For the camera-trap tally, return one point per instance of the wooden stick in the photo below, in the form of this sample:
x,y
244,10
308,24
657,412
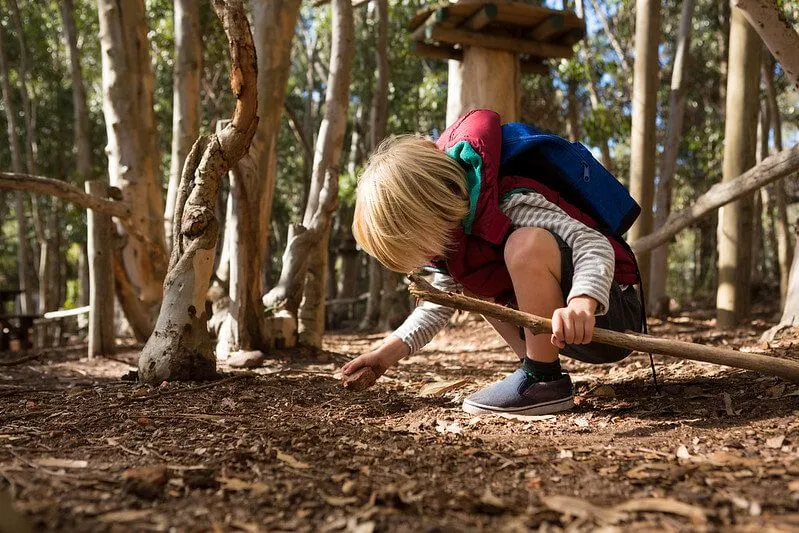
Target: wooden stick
x,y
785,368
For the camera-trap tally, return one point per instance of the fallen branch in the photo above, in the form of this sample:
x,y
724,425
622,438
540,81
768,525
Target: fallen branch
x,y
770,169
21,360
764,364
62,189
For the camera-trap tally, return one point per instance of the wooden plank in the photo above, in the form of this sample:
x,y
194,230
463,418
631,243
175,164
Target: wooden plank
x,y
100,247
519,46
437,17
481,18
63,313
546,30
436,52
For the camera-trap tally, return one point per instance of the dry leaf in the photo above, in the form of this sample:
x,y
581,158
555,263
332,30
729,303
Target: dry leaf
x,y
604,391
526,418
682,452
439,388
235,484
724,458
776,391
793,486
52,462
125,516
581,422
363,527
291,461
728,404
580,508
489,503
443,427
775,442
339,501
664,505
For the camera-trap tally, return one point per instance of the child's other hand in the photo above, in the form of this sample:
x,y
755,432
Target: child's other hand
x,y
574,324
378,360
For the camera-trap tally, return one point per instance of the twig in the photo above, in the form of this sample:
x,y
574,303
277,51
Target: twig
x,y
21,360
764,364
191,389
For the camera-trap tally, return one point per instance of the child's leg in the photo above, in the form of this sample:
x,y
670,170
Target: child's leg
x,y
510,334
533,259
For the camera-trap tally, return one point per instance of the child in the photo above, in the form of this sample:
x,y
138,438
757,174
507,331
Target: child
x,y
417,205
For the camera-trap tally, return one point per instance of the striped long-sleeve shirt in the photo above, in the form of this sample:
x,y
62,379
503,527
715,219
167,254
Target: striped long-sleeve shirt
x,y
592,255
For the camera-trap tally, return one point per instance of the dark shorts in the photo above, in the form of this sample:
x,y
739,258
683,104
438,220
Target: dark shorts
x,y
624,313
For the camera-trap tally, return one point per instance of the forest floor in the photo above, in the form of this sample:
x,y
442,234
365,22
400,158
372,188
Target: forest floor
x,y
286,448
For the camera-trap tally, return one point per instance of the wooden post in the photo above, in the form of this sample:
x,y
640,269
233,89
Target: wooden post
x,y
101,276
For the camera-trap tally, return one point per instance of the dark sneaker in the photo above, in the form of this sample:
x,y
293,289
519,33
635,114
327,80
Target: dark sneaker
x,y
521,394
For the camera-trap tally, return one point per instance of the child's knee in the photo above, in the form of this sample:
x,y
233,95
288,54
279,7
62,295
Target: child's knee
x,y
531,249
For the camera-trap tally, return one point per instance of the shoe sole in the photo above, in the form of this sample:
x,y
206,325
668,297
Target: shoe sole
x,y
548,408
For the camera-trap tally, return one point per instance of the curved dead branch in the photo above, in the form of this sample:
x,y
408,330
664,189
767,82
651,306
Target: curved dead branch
x,y
62,189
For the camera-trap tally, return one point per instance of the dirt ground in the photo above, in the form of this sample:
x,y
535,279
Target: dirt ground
x,y
286,448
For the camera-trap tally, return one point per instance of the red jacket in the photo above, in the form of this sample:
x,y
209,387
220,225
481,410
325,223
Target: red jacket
x,y
476,257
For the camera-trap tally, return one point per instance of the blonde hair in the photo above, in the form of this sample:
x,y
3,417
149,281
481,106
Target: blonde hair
x,y
410,199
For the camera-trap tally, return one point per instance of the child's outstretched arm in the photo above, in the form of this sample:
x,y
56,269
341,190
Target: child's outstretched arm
x,y
417,330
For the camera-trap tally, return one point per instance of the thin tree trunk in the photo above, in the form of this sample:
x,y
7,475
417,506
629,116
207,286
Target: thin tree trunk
x,y
735,220
372,314
133,156
658,299
83,149
643,148
324,185
180,348
572,111
185,98
782,226
253,183
19,201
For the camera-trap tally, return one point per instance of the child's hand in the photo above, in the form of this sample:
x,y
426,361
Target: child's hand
x,y
377,360
574,324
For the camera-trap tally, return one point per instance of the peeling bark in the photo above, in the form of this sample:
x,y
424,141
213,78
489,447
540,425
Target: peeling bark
x,y
180,347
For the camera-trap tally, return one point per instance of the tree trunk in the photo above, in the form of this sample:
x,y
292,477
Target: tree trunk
x,y
185,98
19,200
252,184
735,220
372,314
323,196
658,299
133,156
779,35
572,111
642,152
180,348
782,226
83,149
101,276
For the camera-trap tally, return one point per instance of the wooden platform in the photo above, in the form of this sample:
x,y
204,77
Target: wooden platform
x,y
535,32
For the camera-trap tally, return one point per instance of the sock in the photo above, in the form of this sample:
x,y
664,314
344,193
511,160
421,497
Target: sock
x,y
542,371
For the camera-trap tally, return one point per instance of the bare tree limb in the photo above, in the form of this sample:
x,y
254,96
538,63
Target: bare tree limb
x,y
297,130
775,366
625,64
781,38
770,169
62,189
